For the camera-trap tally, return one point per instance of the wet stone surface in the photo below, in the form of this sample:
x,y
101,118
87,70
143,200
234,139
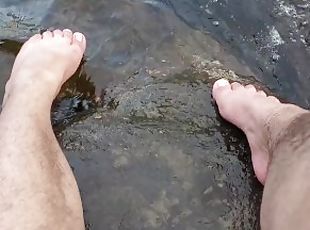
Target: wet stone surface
x,y
157,156
137,122
272,37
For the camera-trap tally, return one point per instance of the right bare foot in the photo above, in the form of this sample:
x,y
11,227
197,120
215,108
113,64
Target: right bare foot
x,y
44,63
260,117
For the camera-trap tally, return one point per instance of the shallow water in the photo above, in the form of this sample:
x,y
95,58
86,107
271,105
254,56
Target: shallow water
x,y
153,154
157,156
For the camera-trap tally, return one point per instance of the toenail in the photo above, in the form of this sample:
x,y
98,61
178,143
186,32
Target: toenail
x,y
222,82
79,37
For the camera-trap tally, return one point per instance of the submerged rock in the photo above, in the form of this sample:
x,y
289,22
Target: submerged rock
x,y
158,156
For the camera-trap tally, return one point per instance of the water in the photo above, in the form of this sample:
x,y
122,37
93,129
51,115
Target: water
x,y
157,156
147,148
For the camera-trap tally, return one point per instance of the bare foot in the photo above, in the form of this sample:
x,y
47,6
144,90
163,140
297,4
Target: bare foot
x,y
260,117
37,175
44,63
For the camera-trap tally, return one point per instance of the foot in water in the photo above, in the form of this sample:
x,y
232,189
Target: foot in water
x,y
44,63
262,118
34,172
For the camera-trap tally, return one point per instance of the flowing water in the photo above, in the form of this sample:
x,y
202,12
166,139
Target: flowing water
x,y
137,121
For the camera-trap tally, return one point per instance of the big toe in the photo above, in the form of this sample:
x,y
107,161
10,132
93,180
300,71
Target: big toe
x,y
79,40
220,90
34,38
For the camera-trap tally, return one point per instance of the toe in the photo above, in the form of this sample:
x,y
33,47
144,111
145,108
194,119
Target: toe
x,y
68,34
220,88
35,37
58,33
262,93
80,40
47,34
236,85
274,99
250,88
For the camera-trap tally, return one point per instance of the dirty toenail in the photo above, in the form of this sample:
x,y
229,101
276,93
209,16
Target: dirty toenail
x,y
222,83
79,37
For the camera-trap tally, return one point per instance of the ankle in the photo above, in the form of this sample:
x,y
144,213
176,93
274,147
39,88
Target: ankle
x,y
28,96
282,122
43,86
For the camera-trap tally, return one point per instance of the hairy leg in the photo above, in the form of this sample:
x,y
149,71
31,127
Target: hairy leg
x,y
38,189
278,135
286,199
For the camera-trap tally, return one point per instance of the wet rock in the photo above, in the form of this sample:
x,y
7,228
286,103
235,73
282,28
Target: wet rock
x,y
257,31
162,158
